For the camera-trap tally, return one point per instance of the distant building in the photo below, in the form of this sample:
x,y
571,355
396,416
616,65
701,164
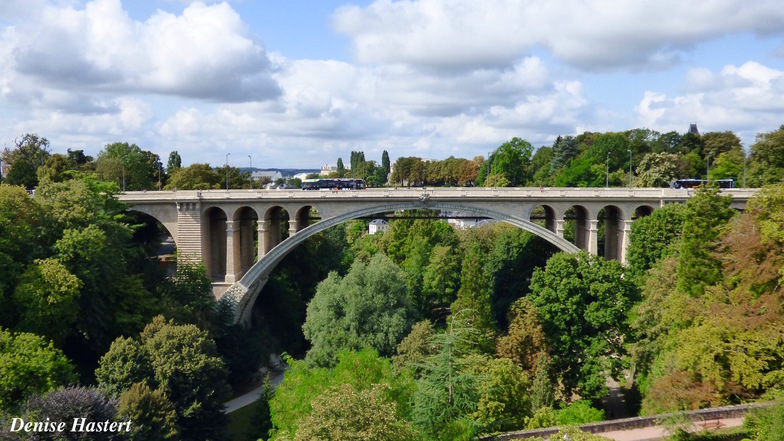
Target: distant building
x,y
693,129
301,176
462,220
378,226
5,167
326,169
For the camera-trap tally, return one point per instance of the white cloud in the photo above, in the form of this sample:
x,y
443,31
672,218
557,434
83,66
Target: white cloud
x,y
739,98
206,52
593,34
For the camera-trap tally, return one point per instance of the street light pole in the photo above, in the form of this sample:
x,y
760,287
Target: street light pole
x,y
250,176
607,178
630,169
227,171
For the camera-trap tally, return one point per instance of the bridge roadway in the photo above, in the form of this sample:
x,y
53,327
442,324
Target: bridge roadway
x,y
219,227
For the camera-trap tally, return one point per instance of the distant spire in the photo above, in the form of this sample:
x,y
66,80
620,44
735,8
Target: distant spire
x,y
693,129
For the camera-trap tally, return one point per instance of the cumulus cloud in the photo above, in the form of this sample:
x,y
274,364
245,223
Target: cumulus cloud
x,y
743,97
594,35
205,53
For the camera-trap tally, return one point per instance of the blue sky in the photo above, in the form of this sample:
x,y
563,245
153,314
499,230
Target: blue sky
x,y
300,83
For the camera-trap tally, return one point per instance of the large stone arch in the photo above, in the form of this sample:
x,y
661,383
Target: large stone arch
x,y
164,217
242,295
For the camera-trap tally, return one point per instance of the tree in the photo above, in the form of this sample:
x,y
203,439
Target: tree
x,y
74,403
729,165
525,341
368,307
183,363
504,393
706,212
565,149
582,301
47,297
415,348
175,162
341,168
194,177
473,301
654,237
766,165
660,169
22,173
29,364
385,165
344,413
153,415
122,162
55,169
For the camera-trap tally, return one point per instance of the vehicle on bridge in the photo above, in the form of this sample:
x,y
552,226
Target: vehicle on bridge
x,y
695,183
333,184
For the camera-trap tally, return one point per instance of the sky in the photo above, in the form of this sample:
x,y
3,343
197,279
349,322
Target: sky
x,y
300,83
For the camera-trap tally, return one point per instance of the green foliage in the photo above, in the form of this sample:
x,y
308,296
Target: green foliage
x,y
525,342
766,165
473,301
368,307
182,362
415,348
579,412
542,389
29,364
766,424
504,393
153,415
47,296
194,177
120,161
446,393
261,422
654,237
706,212
583,301
347,414
543,417
302,385
660,169
187,298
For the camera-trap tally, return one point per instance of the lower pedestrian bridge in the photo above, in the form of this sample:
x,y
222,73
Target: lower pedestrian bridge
x,y
241,235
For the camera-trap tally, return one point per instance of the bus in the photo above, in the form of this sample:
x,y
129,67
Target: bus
x,y
333,184
694,183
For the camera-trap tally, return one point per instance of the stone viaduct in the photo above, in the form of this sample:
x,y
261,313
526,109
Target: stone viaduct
x,y
241,235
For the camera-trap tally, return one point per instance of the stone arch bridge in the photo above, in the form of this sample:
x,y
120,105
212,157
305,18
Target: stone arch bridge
x,y
239,234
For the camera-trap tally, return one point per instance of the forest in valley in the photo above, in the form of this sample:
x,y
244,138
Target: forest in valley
x,y
422,332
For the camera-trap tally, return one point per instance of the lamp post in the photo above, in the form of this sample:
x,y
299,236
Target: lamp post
x,y
630,169
607,176
227,171
250,176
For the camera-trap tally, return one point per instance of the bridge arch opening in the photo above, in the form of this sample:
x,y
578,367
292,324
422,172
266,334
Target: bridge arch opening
x,y
642,211
273,228
245,238
612,224
544,216
213,251
303,217
576,226
155,238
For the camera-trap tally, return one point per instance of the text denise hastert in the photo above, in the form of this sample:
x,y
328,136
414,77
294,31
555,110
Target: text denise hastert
x,y
79,425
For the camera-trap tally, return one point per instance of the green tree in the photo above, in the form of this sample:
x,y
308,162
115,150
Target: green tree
x,y
473,301
152,413
183,363
660,169
446,394
654,237
582,301
175,161
341,168
368,307
47,297
22,173
345,413
729,165
525,341
138,167
565,149
706,212
504,393
29,364
415,348
766,165
55,169
385,165
193,177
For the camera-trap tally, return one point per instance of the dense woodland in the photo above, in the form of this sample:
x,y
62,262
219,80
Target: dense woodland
x,y
422,332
